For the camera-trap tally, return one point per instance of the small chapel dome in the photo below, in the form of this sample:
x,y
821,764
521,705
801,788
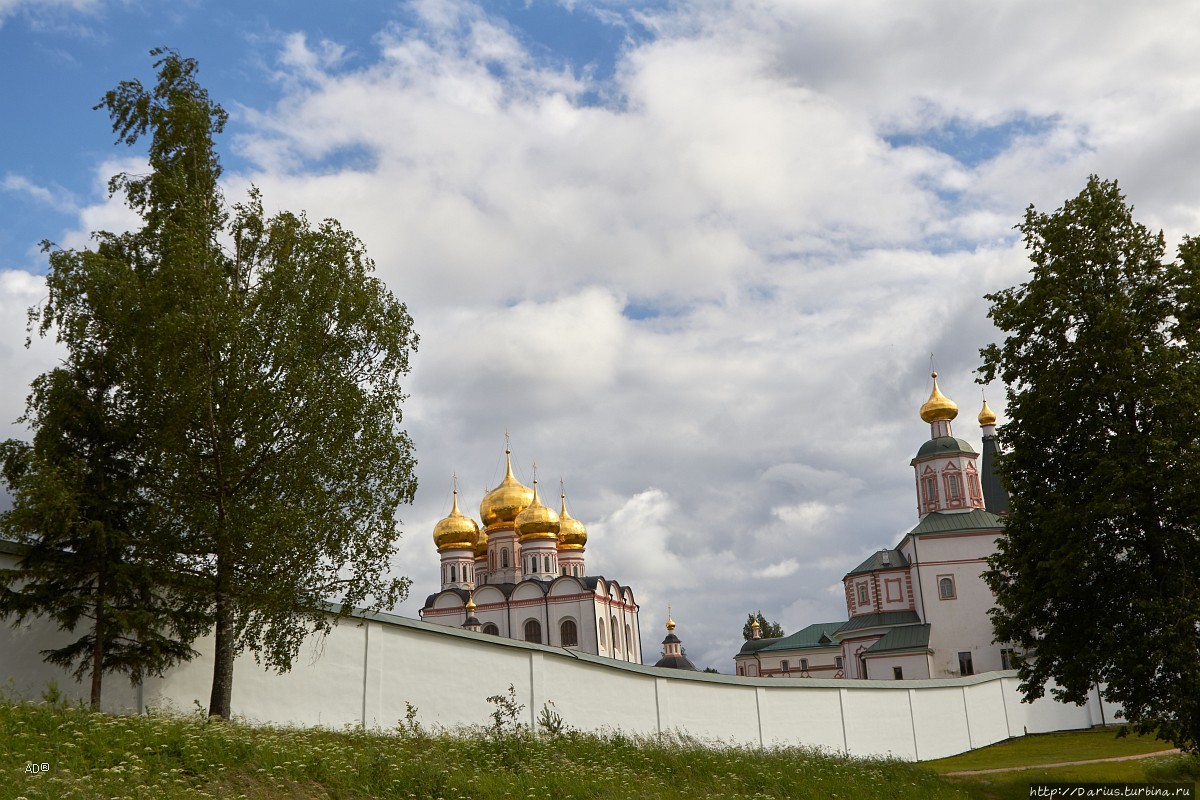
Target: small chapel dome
x,y
938,408
536,521
571,533
456,531
987,416
507,500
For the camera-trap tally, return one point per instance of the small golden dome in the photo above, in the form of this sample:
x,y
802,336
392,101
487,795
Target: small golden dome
x,y
536,521
670,624
457,531
987,416
507,500
938,408
471,605
571,533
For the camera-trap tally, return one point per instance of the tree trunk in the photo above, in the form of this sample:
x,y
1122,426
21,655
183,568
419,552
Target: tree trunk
x,y
98,656
222,685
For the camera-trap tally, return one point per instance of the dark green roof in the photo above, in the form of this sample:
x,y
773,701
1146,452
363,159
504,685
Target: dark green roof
x,y
754,645
875,562
13,548
906,637
819,634
974,520
881,619
944,445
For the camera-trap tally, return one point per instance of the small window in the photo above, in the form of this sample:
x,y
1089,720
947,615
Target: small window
x,y
629,641
930,490
784,666
504,558
548,568
946,587
837,662
568,634
453,574
492,629
533,631
952,483
741,670
898,673
616,636
1007,660
804,665
965,667
600,628
864,595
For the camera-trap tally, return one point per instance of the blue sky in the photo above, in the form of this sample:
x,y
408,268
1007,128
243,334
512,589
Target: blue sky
x,y
693,255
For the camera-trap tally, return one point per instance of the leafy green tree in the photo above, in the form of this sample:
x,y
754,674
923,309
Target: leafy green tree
x,y
262,361
1098,576
76,510
767,630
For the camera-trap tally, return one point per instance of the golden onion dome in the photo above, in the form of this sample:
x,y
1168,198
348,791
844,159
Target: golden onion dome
x,y
987,416
571,533
507,500
536,521
481,544
471,604
670,624
457,531
938,408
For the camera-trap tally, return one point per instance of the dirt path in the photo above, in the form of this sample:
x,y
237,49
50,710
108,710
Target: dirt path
x,y
1060,764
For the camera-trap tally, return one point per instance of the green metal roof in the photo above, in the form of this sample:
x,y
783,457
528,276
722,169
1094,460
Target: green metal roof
x,y
754,645
974,520
944,445
906,637
895,559
819,634
880,619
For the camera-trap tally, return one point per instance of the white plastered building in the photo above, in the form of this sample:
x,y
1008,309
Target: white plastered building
x,y
920,609
522,575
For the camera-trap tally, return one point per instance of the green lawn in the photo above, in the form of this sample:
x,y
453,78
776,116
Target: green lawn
x,y
1050,748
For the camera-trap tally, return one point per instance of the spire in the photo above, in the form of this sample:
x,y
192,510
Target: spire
x,y
995,498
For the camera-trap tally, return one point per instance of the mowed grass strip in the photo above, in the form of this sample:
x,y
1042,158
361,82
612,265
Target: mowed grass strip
x,y
92,755
1051,748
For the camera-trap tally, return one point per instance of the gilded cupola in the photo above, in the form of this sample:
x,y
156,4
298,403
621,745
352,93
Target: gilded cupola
x,y
457,531
987,416
536,521
571,533
938,408
507,500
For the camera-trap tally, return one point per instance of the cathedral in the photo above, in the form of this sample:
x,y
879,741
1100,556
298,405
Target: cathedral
x,y
920,609
523,575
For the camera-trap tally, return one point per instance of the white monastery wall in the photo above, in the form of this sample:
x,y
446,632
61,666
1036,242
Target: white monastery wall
x,y
368,669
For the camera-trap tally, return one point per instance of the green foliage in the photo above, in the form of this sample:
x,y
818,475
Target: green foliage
x,y
1097,574
550,722
768,630
95,755
506,714
261,362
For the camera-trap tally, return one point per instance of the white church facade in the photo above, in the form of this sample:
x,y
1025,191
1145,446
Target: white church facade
x,y
920,609
523,575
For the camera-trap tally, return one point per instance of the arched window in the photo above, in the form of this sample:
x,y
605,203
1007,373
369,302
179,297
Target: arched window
x,y
616,636
952,486
568,634
930,490
547,564
453,574
946,587
629,641
600,628
533,631
492,629
504,558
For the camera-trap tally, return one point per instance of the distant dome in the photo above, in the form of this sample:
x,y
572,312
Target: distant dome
x,y
507,500
536,521
457,531
938,408
987,416
571,533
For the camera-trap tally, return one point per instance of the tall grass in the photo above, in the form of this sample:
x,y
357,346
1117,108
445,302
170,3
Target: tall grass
x,y
93,755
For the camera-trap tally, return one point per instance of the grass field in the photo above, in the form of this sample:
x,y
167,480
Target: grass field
x,y
90,755
100,756
1057,748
